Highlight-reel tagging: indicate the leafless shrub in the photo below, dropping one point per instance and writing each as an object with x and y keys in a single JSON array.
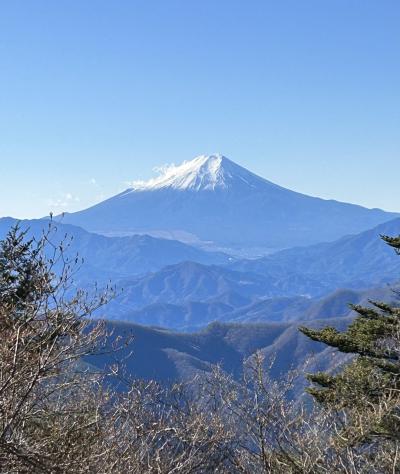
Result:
[{"x": 58, "y": 415}]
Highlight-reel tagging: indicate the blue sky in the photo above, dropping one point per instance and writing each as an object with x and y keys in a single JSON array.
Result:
[{"x": 95, "y": 93}]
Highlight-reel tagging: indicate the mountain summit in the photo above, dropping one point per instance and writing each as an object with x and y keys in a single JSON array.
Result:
[
  {"x": 212, "y": 201},
  {"x": 205, "y": 172}
]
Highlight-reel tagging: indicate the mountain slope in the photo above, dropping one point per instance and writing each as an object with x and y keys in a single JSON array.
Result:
[
  {"x": 170, "y": 356},
  {"x": 188, "y": 295},
  {"x": 355, "y": 261},
  {"x": 297, "y": 308},
  {"x": 212, "y": 199},
  {"x": 115, "y": 257},
  {"x": 188, "y": 282},
  {"x": 194, "y": 315}
]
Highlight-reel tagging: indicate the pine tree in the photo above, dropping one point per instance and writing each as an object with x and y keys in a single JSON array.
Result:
[
  {"x": 367, "y": 389},
  {"x": 22, "y": 270}
]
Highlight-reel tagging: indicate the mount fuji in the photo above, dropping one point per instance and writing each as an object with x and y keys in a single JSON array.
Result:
[{"x": 213, "y": 201}]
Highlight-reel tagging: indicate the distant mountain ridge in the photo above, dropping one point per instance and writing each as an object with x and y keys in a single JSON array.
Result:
[
  {"x": 194, "y": 315},
  {"x": 192, "y": 282},
  {"x": 214, "y": 201},
  {"x": 168, "y": 283},
  {"x": 115, "y": 257},
  {"x": 354, "y": 261}
]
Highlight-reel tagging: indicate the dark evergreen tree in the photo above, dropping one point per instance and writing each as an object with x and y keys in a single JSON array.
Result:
[
  {"x": 368, "y": 386},
  {"x": 23, "y": 269}
]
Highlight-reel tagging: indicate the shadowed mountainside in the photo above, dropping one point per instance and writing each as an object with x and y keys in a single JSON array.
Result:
[{"x": 169, "y": 356}]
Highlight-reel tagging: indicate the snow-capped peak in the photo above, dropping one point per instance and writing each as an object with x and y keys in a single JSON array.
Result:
[{"x": 205, "y": 172}]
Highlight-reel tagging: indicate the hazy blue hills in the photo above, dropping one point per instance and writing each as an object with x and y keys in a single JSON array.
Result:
[
  {"x": 216, "y": 202},
  {"x": 167, "y": 283},
  {"x": 193, "y": 315},
  {"x": 354, "y": 261},
  {"x": 189, "y": 281},
  {"x": 115, "y": 257},
  {"x": 297, "y": 308},
  {"x": 188, "y": 305},
  {"x": 188, "y": 316}
]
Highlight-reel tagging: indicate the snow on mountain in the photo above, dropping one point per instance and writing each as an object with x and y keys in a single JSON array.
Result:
[
  {"x": 215, "y": 202},
  {"x": 205, "y": 172}
]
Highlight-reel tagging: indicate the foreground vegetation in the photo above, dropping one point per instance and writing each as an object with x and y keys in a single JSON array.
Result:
[{"x": 60, "y": 415}]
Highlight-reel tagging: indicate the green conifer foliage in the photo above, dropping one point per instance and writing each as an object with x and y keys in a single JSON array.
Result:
[{"x": 369, "y": 385}]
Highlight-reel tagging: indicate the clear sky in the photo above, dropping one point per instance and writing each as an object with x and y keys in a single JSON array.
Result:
[{"x": 95, "y": 93}]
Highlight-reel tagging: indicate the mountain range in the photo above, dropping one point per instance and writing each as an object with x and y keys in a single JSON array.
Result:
[
  {"x": 177, "y": 248},
  {"x": 212, "y": 201},
  {"x": 168, "y": 283},
  {"x": 117, "y": 257},
  {"x": 354, "y": 261},
  {"x": 193, "y": 315},
  {"x": 190, "y": 295},
  {"x": 169, "y": 356}
]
